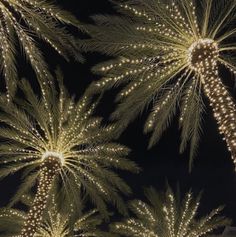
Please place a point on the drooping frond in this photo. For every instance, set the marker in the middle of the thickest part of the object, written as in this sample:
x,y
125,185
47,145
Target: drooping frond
x,y
166,215
11,221
26,22
165,53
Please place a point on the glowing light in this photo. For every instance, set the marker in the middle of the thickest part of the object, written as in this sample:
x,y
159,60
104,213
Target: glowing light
x,y
55,223
203,55
56,155
168,57
59,140
164,215
24,22
49,169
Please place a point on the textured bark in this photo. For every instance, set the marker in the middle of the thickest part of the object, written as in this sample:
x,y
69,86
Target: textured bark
x,y
223,107
49,169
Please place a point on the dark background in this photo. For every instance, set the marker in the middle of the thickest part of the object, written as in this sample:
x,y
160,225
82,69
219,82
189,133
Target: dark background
x,y
213,169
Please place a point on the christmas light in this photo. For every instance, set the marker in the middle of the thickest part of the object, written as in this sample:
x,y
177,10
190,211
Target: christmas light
x,y
166,215
49,169
167,56
55,223
62,147
23,23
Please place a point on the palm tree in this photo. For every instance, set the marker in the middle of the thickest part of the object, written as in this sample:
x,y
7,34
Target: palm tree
x,y
169,54
55,223
24,23
167,215
57,144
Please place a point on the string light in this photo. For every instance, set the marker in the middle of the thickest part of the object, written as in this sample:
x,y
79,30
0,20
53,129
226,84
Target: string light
x,y
21,21
56,222
203,57
168,58
166,215
59,140
49,169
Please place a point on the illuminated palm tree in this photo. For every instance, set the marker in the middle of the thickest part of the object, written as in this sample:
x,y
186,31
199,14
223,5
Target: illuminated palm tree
x,y
22,24
54,224
167,215
57,225
55,142
168,54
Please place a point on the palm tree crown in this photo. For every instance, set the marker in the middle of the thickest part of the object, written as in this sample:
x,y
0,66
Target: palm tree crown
x,y
54,140
23,23
168,54
55,222
167,215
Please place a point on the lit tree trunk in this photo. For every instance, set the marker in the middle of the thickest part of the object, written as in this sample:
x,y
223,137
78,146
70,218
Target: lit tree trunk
x,y
50,167
223,107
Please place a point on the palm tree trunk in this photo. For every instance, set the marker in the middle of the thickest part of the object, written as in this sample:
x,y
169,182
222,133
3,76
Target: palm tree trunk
x,y
49,169
223,107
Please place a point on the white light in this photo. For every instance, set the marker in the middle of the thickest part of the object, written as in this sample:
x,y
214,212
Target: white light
x,y
54,154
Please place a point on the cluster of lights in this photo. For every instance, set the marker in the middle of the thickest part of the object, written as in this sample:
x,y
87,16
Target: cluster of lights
x,y
173,57
166,218
161,105
71,144
50,168
181,49
224,109
55,224
203,58
6,213
56,155
27,11
12,214
203,55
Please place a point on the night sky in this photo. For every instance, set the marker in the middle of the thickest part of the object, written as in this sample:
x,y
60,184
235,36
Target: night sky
x,y
213,170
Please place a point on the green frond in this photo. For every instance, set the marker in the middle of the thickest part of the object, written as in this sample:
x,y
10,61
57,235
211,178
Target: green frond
x,y
55,222
191,109
166,215
11,221
26,23
24,188
163,113
153,46
52,121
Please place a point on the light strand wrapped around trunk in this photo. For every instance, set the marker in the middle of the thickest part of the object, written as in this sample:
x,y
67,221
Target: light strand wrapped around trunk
x,y
49,169
223,107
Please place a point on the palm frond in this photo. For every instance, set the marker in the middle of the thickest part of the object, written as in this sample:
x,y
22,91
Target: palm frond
x,y
166,215
158,46
26,23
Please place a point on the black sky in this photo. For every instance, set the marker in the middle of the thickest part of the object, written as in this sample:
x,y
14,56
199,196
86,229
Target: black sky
x,y
213,170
